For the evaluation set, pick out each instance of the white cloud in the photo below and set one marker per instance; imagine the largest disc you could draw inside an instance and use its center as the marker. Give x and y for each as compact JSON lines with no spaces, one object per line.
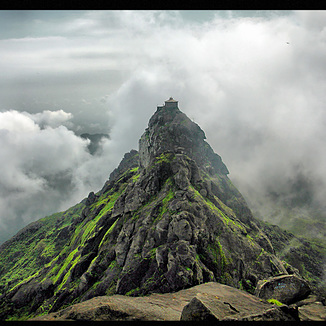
{"x":12,"y":121}
{"x":43,"y":170}
{"x":50,"y":118}
{"x":259,"y":99}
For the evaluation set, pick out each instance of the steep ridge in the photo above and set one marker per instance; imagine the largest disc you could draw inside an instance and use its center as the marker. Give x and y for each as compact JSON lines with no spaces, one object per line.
{"x":167,"y":219}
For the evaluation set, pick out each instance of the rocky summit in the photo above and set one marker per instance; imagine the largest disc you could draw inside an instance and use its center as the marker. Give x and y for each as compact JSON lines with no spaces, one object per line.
{"x":168,"y":219}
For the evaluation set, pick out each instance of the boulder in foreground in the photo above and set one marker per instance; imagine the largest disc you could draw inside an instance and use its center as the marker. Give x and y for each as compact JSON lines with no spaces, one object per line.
{"x":285,"y":288}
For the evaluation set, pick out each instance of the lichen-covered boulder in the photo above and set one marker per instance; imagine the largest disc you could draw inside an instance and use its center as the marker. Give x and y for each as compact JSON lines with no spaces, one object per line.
{"x":285,"y":288}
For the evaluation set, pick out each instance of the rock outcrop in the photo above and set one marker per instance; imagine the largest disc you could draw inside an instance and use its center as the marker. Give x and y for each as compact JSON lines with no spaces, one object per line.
{"x":285,"y":288}
{"x":315,"y":311}
{"x":226,"y":303}
{"x":206,"y":302}
{"x":170,"y":130}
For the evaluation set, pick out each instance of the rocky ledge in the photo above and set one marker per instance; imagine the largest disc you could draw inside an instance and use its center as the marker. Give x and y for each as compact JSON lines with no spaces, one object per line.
{"x":209,"y":301}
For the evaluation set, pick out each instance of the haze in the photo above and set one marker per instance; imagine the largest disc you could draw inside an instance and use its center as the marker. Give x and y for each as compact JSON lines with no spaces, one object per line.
{"x":254,"y":81}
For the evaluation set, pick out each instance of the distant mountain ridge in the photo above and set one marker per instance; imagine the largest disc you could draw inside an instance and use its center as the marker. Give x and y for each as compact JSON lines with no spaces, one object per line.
{"x":167,"y":219}
{"x":95,"y":141}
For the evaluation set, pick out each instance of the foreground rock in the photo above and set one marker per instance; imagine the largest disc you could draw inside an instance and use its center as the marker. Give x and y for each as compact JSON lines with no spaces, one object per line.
{"x":285,"y":288}
{"x":229,"y":304}
{"x":310,"y":309}
{"x":222,"y":302}
{"x":313,"y":312}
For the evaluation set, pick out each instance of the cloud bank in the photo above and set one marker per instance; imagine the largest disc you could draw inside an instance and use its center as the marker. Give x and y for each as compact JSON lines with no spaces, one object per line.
{"x":255,"y":84}
{"x":256,"y":88}
{"x":45,"y":167}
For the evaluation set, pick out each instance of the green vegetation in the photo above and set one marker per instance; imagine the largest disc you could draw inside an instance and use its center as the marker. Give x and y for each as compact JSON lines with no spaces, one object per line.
{"x":65,"y":264}
{"x":135,"y":177}
{"x":164,"y":157}
{"x":153,"y":253}
{"x":218,"y":256}
{"x":41,"y":243}
{"x":132,"y":291}
{"x":318,"y":245}
{"x":111,"y":289}
{"x":228,"y":221}
{"x":25,"y":280}
{"x":134,"y":169}
{"x":52,"y":255}
{"x":274,"y":301}
{"x":249,"y":237}
{"x":108,"y":232}
{"x":125,"y":176}
{"x":164,"y":208}
{"x":146,"y":134}
{"x":251,"y":241}
{"x":260,"y":254}
{"x":149,"y":282}
{"x":113,"y":264}
{"x":246,"y":285}
{"x":240,"y":285}
{"x":86,"y":229}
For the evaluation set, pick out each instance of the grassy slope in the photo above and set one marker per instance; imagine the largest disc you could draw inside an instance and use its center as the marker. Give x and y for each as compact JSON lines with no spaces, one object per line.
{"x":22,"y":256}
{"x":38,"y":251}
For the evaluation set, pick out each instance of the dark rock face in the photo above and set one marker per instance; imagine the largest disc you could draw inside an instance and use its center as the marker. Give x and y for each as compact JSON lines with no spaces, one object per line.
{"x":36,"y":292}
{"x":167,"y":219}
{"x":286,"y":288}
{"x":171,"y":130}
{"x":129,"y":161}
{"x":90,"y":199}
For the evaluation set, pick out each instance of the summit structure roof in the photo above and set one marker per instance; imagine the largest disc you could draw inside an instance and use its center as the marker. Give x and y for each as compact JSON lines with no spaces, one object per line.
{"x":171,"y":103}
{"x":171,"y":100}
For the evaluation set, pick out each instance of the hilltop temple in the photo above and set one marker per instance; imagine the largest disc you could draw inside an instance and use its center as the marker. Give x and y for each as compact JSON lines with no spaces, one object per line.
{"x":170,"y":103}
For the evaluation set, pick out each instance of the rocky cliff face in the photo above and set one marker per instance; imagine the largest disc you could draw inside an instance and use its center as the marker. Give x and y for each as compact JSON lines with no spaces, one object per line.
{"x":167,"y":219}
{"x":170,"y":130}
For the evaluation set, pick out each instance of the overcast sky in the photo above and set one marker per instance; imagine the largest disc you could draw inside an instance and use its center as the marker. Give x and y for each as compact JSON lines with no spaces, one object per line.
{"x":254,"y":81}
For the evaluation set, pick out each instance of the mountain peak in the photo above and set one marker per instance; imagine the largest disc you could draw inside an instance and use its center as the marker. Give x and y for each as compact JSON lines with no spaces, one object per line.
{"x":167,"y":219}
{"x":170,"y":130}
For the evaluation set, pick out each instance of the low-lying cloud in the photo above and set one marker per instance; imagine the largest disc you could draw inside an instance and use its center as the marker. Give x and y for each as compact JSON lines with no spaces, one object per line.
{"x":256,"y":86}
{"x":45,"y":167}
{"x":52,"y":119}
